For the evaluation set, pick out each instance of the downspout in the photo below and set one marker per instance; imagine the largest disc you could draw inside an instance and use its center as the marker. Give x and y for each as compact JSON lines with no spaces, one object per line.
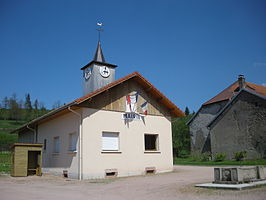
{"x":35,"y":134}
{"x":80,"y":162}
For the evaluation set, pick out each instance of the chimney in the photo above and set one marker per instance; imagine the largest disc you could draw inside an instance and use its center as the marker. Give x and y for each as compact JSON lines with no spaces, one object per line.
{"x":241,"y":81}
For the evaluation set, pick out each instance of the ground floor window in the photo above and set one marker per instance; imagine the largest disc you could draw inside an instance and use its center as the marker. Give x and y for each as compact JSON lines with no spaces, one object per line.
{"x":72,"y":145}
{"x":44,"y":144}
{"x":56,"y":145}
{"x":110,"y":141}
{"x":151,"y":142}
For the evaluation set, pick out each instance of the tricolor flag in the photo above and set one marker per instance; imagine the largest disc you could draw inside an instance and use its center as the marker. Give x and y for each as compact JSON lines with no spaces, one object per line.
{"x":131,"y":102}
{"x":144,"y":107}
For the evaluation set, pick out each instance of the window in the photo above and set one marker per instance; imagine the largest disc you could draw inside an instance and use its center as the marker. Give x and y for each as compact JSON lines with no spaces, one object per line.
{"x":110,"y":141}
{"x":44,"y":144}
{"x":151,"y":142}
{"x":56,"y":145}
{"x":72,"y":146}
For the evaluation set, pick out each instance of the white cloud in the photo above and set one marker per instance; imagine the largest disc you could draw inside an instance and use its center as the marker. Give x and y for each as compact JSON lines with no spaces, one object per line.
{"x":264,"y":84}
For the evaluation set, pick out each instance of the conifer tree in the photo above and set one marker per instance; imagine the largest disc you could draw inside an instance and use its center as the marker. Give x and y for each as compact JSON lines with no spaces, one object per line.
{"x":27,"y":104}
{"x":187,"y":112}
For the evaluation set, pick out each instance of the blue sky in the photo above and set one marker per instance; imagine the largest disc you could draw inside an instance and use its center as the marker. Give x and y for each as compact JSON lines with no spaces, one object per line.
{"x":190,"y":50}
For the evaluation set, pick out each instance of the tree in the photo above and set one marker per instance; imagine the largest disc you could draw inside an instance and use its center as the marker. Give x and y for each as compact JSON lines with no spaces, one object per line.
{"x":181,"y":136}
{"x":28,"y":108}
{"x":36,"y":104}
{"x":27,"y":104}
{"x":15,"y":111}
{"x":56,"y":104}
{"x":4,"y":111}
{"x":36,"y":108}
{"x":187,"y":112}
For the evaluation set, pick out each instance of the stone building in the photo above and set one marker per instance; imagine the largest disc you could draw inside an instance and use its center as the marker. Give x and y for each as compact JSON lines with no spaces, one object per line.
{"x":118,"y":128}
{"x":240,"y":126}
{"x":204,"y":124}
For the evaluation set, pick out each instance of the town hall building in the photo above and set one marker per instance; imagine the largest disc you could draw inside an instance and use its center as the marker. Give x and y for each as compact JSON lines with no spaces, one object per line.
{"x":117,"y":128}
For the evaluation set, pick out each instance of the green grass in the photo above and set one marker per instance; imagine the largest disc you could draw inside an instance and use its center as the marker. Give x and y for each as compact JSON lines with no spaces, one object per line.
{"x":191,"y":161}
{"x":6,"y":138}
{"x":5,"y":162}
{"x":10,"y":124}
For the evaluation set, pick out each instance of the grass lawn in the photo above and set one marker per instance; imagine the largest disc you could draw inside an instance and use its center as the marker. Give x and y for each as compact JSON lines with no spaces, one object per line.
{"x":5,"y":162}
{"x":191,"y":161}
{"x":10,"y":124}
{"x":6,"y":138}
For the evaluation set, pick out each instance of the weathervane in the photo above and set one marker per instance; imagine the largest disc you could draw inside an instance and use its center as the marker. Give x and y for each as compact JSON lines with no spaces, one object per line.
{"x":99,"y":29}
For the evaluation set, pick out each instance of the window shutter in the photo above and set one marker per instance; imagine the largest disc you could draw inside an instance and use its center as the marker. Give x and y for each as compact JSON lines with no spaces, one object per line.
{"x":110,"y":141}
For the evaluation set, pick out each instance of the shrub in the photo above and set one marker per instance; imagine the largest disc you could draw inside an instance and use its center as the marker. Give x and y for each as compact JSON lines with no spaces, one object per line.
{"x":240,"y":155}
{"x":183,"y":154}
{"x":219,"y":157}
{"x":205,"y":156}
{"x":195,"y":157}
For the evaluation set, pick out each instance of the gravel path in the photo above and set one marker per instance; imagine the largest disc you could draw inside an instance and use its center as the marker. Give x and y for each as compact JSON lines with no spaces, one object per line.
{"x":176,"y":185}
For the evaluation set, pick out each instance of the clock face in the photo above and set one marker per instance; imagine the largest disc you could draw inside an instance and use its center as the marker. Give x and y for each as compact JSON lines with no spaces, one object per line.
{"x":104,"y":71}
{"x":87,"y":73}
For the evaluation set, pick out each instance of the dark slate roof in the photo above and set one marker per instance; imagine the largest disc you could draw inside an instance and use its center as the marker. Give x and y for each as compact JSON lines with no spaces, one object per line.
{"x":221,"y":113}
{"x":99,"y":58}
{"x":99,"y":54}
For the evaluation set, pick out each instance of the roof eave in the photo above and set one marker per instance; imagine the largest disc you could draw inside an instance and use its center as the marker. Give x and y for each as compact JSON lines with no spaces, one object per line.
{"x":100,"y":63}
{"x":35,"y":121}
{"x":210,"y":125}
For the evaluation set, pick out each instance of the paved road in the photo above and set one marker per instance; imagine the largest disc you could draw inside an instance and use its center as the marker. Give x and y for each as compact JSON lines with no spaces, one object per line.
{"x":176,"y":185}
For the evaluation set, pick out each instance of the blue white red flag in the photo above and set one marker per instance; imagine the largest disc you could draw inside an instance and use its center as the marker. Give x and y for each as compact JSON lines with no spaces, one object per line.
{"x":144,"y":108}
{"x":131,"y":102}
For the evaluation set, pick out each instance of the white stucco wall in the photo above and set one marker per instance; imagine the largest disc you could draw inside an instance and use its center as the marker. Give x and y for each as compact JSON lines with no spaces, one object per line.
{"x":131,"y":159}
{"x":61,"y":126}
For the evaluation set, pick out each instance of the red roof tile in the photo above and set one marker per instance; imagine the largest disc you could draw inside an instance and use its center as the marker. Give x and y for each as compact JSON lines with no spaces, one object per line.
{"x":229,"y":92}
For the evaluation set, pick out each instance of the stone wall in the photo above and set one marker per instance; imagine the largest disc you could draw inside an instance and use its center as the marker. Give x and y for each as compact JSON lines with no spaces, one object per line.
{"x":199,"y":133}
{"x":241,"y":128}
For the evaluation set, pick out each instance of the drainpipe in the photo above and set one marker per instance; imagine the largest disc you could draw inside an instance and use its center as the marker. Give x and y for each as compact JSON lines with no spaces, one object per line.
{"x":80,"y":162}
{"x":35,"y":133}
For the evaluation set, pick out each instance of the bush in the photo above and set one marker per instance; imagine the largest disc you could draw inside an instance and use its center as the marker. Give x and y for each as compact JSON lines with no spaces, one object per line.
{"x":205,"y":156}
{"x":219,"y":157}
{"x":240,"y":155}
{"x":200,"y":157}
{"x":183,"y":154}
{"x":195,"y":156}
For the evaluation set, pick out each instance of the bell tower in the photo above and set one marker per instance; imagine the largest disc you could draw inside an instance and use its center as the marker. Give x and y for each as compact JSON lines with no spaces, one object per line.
{"x":98,"y":73}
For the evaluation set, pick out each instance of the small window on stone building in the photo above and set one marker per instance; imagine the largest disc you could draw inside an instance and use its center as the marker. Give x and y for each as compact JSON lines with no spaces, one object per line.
{"x":56,"y":145}
{"x":44,"y":144}
{"x":151,"y":142}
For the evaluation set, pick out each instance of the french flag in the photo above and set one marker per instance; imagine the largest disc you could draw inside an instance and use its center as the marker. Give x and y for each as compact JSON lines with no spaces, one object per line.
{"x":144,"y":108}
{"x":132,"y":101}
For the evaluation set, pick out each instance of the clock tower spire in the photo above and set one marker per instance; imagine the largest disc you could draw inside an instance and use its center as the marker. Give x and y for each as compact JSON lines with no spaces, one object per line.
{"x":99,"y":53}
{"x":98,"y":73}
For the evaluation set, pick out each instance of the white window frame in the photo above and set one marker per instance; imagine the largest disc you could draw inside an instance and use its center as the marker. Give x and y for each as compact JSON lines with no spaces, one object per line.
{"x":110,"y":143}
{"x":72,"y":142}
{"x":56,"y":144}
